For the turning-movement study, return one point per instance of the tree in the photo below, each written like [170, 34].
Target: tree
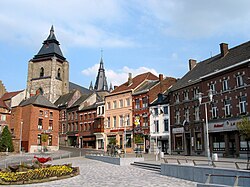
[244, 129]
[6, 141]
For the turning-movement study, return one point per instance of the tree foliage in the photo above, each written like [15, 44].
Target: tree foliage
[244, 127]
[6, 141]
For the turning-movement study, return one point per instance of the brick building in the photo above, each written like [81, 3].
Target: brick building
[42, 118]
[226, 75]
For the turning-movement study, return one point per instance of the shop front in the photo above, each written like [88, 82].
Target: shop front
[225, 138]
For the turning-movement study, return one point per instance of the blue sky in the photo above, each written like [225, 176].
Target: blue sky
[136, 35]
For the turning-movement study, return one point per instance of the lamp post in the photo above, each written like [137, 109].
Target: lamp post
[210, 96]
[21, 131]
[125, 133]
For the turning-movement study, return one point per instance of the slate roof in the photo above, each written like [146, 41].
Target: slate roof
[38, 100]
[235, 55]
[146, 86]
[50, 47]
[101, 80]
[80, 100]
[73, 86]
[90, 107]
[136, 81]
[64, 99]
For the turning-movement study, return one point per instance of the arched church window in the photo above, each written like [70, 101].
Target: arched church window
[42, 72]
[59, 73]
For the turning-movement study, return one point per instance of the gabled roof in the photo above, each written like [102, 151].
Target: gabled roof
[214, 64]
[80, 100]
[50, 47]
[73, 86]
[63, 100]
[38, 100]
[145, 86]
[136, 81]
[9, 95]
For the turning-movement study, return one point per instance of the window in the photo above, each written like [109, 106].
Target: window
[242, 104]
[156, 111]
[186, 113]
[197, 113]
[144, 102]
[39, 141]
[128, 140]
[114, 121]
[42, 72]
[198, 144]
[50, 124]
[177, 99]
[156, 122]
[165, 110]
[68, 127]
[121, 120]
[227, 107]
[76, 126]
[137, 104]
[145, 121]
[102, 110]
[50, 140]
[225, 85]
[128, 120]
[214, 112]
[196, 93]
[121, 103]
[212, 87]
[177, 117]
[81, 117]
[186, 95]
[108, 105]
[128, 102]
[108, 122]
[40, 124]
[165, 124]
[114, 105]
[3, 117]
[40, 113]
[59, 73]
[239, 80]
[51, 115]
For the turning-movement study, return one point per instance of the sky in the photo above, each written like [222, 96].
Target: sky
[135, 36]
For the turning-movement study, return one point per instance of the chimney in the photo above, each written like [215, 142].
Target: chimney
[223, 49]
[192, 64]
[160, 77]
[129, 78]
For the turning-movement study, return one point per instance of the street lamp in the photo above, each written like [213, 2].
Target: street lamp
[21, 130]
[210, 96]
[125, 138]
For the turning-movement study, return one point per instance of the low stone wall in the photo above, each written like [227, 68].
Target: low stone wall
[115, 160]
[198, 174]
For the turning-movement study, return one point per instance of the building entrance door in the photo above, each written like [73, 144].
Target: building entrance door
[188, 147]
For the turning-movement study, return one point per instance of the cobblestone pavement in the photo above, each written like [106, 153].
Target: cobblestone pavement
[96, 173]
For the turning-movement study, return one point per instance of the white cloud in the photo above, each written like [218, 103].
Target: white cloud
[118, 76]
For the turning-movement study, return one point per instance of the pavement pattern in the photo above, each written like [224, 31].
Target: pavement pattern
[99, 174]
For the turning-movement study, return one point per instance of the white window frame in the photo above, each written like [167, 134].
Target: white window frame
[227, 107]
[225, 85]
[242, 105]
[239, 80]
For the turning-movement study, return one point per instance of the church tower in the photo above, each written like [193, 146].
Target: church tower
[101, 80]
[48, 71]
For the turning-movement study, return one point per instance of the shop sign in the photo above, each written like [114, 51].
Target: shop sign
[177, 130]
[227, 125]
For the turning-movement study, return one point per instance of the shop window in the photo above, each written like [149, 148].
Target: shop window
[198, 144]
[243, 143]
[218, 142]
[178, 142]
[128, 140]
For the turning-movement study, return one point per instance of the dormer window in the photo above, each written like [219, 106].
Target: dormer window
[42, 72]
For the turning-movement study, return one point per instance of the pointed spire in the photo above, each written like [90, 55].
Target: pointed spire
[91, 86]
[50, 47]
[110, 87]
[101, 81]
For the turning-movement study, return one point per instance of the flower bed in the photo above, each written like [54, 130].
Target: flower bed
[35, 175]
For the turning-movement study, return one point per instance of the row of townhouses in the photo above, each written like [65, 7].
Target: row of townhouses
[194, 115]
